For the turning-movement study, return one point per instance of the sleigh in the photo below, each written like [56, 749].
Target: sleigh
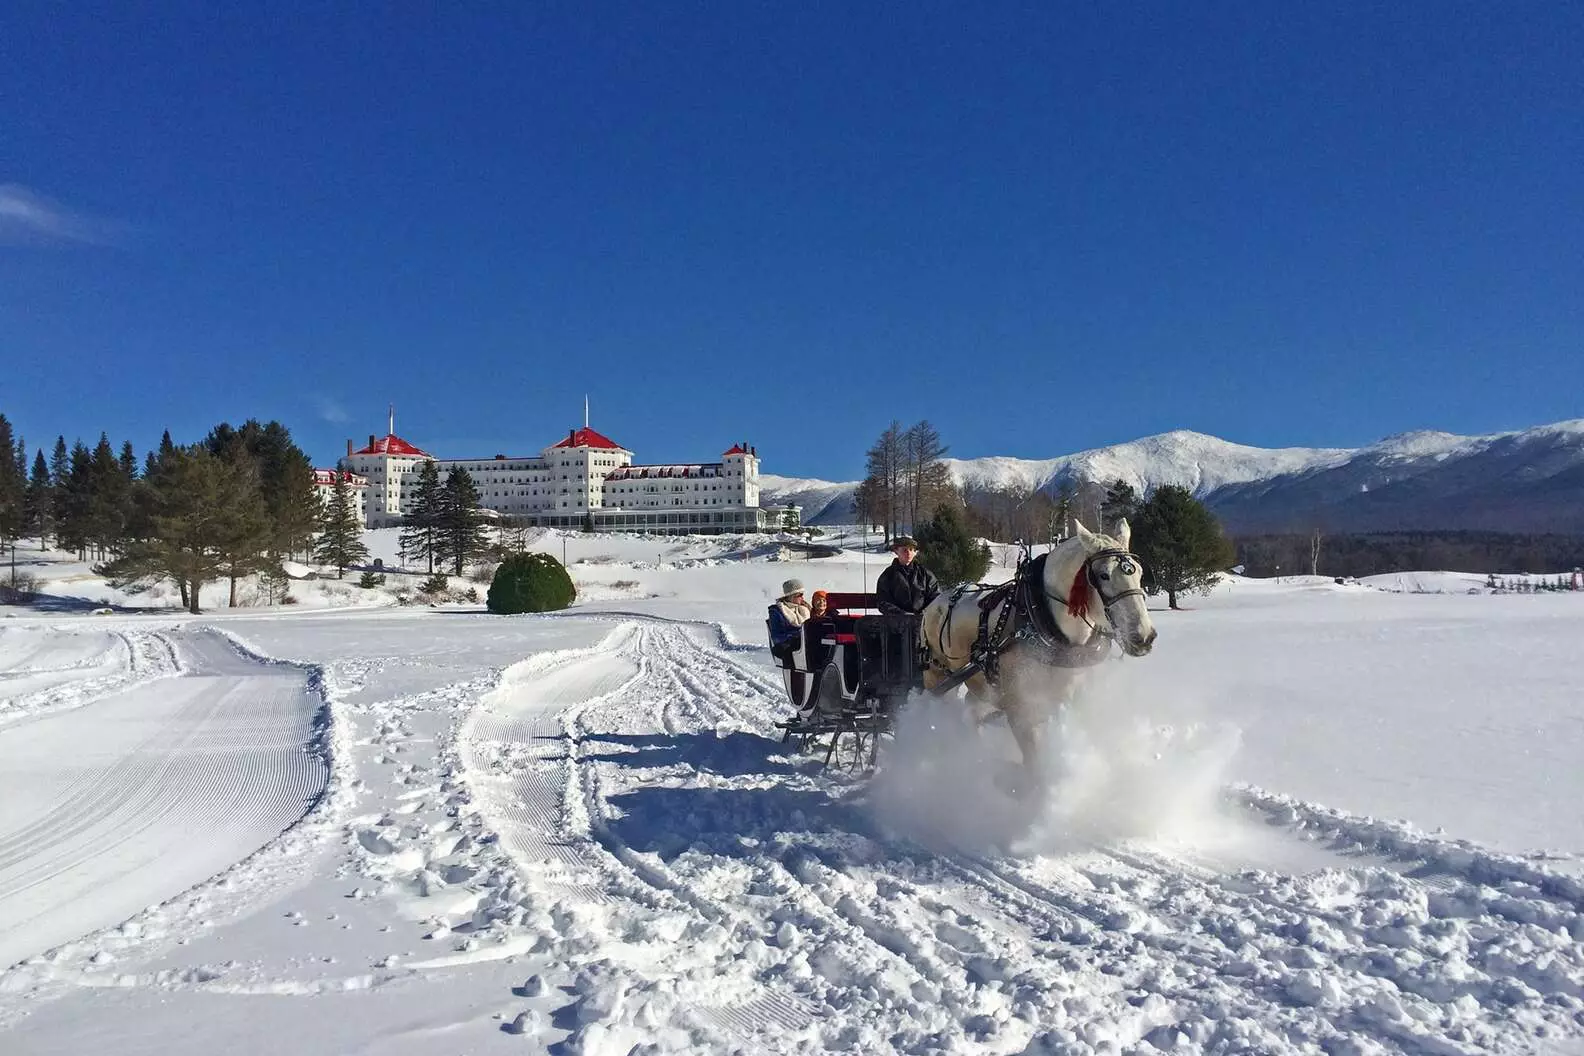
[846, 676]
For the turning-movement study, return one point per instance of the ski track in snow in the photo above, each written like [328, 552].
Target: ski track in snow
[183, 762]
[46, 670]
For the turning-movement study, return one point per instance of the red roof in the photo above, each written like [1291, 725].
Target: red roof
[737, 449]
[586, 437]
[392, 445]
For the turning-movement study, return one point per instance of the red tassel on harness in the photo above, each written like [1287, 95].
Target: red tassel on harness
[1078, 596]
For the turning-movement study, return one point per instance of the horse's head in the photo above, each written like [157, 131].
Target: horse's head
[1110, 577]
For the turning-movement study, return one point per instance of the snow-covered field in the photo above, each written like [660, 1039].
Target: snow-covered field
[1318, 818]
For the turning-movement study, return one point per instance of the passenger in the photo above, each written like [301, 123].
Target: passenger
[819, 605]
[787, 617]
[905, 586]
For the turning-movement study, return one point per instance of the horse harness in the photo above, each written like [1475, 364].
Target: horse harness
[1027, 620]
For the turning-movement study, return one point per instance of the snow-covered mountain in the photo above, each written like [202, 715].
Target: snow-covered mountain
[1531, 480]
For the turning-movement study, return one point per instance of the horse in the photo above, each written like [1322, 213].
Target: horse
[1067, 607]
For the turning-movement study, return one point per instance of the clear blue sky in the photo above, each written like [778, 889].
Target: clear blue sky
[1044, 227]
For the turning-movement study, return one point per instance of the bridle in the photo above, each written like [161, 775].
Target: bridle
[1128, 563]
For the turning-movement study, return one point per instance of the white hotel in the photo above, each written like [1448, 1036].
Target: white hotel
[583, 476]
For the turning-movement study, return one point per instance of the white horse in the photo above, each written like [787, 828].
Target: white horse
[1067, 607]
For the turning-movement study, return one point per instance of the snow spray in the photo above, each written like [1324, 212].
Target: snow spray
[1134, 757]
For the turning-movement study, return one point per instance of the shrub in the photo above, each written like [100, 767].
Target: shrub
[530, 583]
[25, 588]
[370, 580]
[482, 573]
[435, 584]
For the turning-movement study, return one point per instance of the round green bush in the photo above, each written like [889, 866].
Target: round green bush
[530, 583]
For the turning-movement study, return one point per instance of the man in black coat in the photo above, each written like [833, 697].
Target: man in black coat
[905, 585]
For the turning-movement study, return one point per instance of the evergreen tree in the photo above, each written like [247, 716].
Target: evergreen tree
[341, 536]
[13, 487]
[108, 500]
[949, 550]
[462, 532]
[202, 509]
[530, 583]
[75, 527]
[60, 469]
[247, 536]
[1121, 504]
[40, 502]
[1180, 543]
[420, 536]
[285, 479]
[128, 461]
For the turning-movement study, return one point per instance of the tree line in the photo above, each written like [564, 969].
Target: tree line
[240, 501]
[1376, 553]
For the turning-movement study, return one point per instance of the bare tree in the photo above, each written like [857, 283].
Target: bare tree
[927, 482]
[1315, 539]
[886, 469]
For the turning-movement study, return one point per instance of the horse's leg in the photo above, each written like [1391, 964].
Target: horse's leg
[1029, 732]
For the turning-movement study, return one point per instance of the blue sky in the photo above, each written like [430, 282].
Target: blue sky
[1044, 227]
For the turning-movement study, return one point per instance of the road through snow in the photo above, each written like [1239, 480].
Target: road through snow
[126, 801]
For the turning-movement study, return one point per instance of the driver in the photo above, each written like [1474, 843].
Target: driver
[905, 586]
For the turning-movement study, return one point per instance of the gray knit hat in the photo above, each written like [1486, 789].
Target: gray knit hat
[789, 588]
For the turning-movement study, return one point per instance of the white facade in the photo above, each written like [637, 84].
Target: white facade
[324, 487]
[582, 476]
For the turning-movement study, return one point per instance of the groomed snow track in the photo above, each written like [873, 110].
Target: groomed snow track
[129, 785]
[710, 894]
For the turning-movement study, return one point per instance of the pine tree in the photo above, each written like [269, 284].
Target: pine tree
[13, 488]
[128, 461]
[285, 479]
[204, 509]
[246, 534]
[420, 536]
[949, 550]
[341, 536]
[463, 535]
[1180, 543]
[1121, 504]
[40, 502]
[75, 528]
[108, 500]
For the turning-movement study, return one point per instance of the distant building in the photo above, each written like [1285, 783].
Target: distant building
[324, 487]
[585, 476]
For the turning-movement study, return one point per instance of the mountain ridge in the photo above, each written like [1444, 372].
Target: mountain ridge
[1517, 480]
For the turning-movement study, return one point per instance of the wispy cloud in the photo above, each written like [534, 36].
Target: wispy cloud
[330, 410]
[28, 217]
